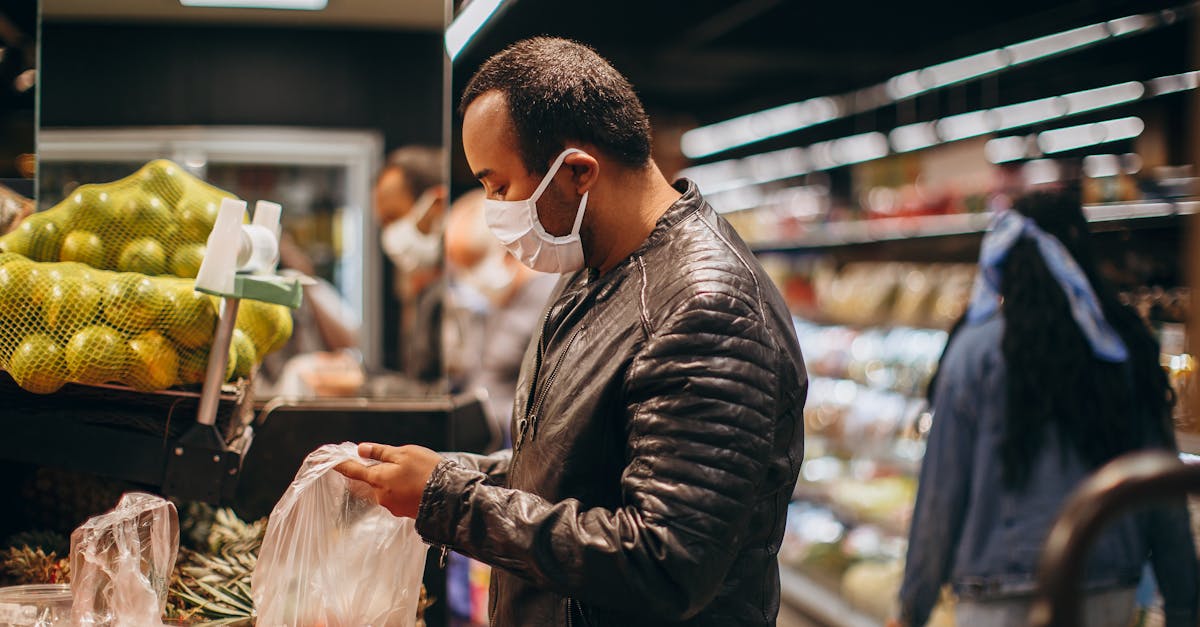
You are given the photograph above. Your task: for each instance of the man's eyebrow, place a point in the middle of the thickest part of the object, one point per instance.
(482, 173)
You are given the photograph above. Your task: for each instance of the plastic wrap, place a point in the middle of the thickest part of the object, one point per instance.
(121, 563)
(332, 556)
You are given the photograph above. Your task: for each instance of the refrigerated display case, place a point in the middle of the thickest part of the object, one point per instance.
(321, 177)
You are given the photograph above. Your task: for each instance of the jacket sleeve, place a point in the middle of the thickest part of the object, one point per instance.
(942, 492)
(701, 405)
(494, 466)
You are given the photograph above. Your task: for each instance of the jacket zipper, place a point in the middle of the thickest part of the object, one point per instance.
(549, 382)
(570, 612)
(537, 372)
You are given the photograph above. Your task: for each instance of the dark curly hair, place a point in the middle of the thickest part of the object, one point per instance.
(1100, 409)
(558, 90)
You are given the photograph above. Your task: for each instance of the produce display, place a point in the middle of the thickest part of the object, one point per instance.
(99, 289)
(873, 293)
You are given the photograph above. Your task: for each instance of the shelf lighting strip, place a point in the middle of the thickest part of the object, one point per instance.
(755, 127)
(469, 22)
(732, 174)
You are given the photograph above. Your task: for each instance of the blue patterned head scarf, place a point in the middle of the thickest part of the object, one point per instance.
(1007, 229)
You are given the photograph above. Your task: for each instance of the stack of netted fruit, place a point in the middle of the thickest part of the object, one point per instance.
(98, 289)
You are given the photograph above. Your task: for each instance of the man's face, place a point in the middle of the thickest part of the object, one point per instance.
(491, 147)
(393, 199)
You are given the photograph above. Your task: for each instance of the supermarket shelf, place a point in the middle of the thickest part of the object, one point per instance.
(834, 234)
(819, 603)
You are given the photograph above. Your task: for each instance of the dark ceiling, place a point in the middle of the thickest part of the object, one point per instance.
(713, 59)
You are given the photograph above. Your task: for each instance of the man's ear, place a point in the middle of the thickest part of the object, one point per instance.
(585, 170)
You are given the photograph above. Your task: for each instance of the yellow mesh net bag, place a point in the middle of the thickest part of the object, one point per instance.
(99, 289)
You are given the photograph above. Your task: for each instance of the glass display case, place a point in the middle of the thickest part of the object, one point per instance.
(321, 177)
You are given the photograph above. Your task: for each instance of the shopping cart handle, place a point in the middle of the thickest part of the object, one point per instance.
(1127, 482)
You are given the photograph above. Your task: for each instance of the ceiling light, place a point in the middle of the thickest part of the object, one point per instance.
(1102, 97)
(1100, 166)
(746, 129)
(1027, 51)
(467, 24)
(1004, 149)
(1084, 135)
(913, 137)
(1173, 83)
(859, 148)
(1027, 113)
(1127, 25)
(956, 127)
(963, 69)
(301, 5)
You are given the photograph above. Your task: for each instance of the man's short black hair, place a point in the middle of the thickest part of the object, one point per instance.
(560, 90)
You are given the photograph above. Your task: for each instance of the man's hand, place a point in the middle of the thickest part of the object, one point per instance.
(398, 482)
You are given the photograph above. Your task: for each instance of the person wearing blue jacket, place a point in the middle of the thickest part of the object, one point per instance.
(1046, 378)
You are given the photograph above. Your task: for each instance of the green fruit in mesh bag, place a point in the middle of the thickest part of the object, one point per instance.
(282, 321)
(38, 237)
(132, 302)
(163, 179)
(190, 318)
(259, 322)
(83, 247)
(37, 365)
(242, 354)
(153, 362)
(94, 209)
(97, 354)
(69, 305)
(193, 365)
(144, 214)
(196, 214)
(186, 261)
(143, 256)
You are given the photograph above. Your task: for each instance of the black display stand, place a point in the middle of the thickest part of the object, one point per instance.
(245, 461)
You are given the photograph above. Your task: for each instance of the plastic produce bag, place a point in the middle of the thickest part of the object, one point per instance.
(332, 556)
(121, 563)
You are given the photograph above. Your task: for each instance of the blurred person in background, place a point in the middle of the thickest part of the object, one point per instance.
(496, 304)
(409, 199)
(322, 357)
(1046, 378)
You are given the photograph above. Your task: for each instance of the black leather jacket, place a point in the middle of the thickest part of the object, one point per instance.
(657, 433)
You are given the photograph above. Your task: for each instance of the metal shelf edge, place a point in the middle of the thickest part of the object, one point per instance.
(835, 234)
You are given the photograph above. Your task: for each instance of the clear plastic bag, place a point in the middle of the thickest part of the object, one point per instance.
(121, 563)
(334, 557)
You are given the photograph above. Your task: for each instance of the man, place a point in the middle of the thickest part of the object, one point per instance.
(657, 429)
(408, 197)
(493, 308)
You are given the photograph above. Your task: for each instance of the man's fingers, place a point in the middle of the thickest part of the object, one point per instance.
(380, 452)
(355, 470)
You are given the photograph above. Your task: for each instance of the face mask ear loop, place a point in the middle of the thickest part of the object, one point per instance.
(422, 206)
(579, 214)
(550, 173)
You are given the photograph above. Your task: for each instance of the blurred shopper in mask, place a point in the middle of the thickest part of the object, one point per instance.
(496, 301)
(409, 200)
(1046, 378)
(657, 431)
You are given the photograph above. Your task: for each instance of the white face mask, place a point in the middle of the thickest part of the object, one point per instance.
(515, 223)
(405, 244)
(490, 277)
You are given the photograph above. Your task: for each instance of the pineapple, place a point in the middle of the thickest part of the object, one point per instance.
(25, 566)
